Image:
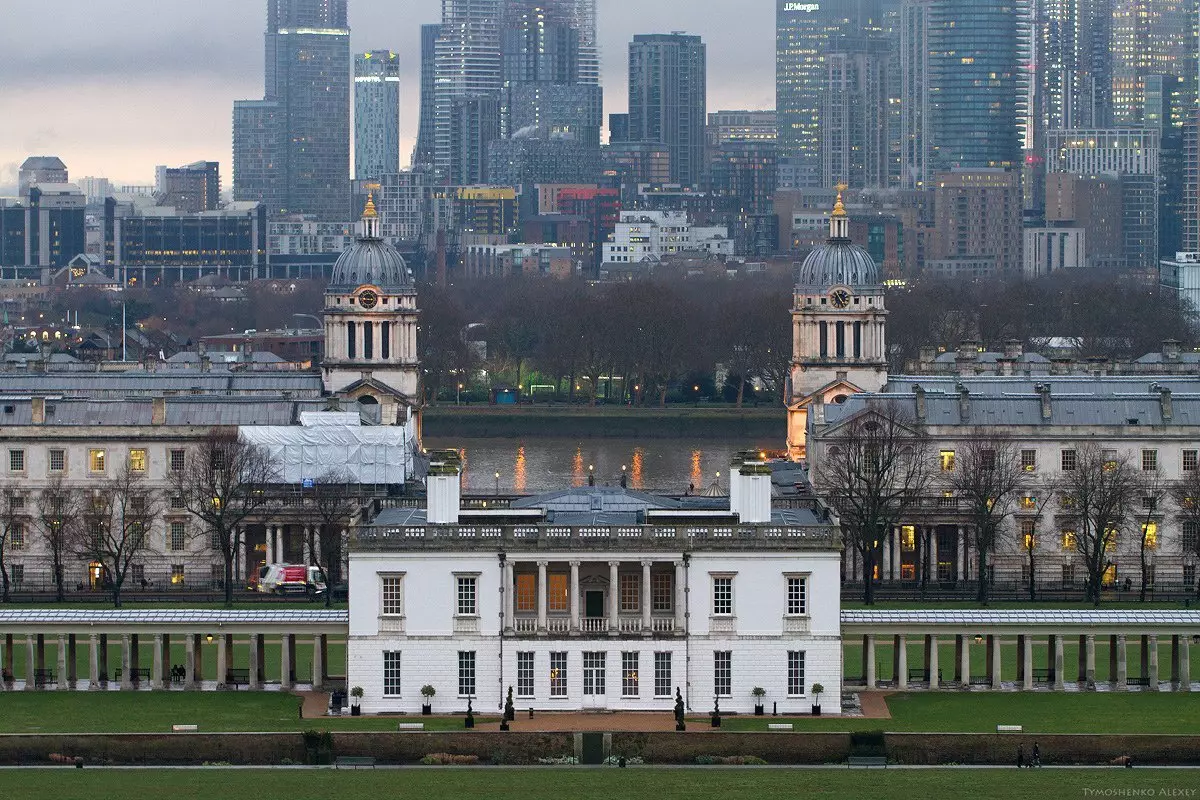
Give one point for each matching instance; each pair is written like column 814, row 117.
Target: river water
column 534, row 465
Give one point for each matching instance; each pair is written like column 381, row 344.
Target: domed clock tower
column 371, row 326
column 839, row 344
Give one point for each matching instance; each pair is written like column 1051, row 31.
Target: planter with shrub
column 427, row 692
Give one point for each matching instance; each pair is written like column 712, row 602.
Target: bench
column 1043, row 675
column 1137, row 682
column 184, row 728
column 410, row 726
column 915, row 675
column 979, row 680
column 779, row 726
column 354, row 762
column 866, row 762
column 1008, row 729
column 44, row 677
column 238, row 677
column 135, row 675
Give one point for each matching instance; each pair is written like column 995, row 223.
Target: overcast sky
column 114, row 87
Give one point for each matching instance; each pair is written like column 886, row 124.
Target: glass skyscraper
column 376, row 114
column 423, row 152
column 667, row 99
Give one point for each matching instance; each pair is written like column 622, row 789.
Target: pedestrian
column 1036, row 759
column 1020, row 756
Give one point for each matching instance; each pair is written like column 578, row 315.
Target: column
column 960, row 557
column 255, row 662
column 306, row 550
column 900, row 662
column 318, row 668
column 93, row 663
column 614, row 599
column 104, row 675
column 166, row 659
column 1150, row 668
column 964, row 661
column 1026, row 648
column 869, row 659
column 156, row 667
column 269, row 539
column 63, row 681
column 1090, row 661
column 574, row 598
column 1122, row 667
column 126, row 663
column 287, row 676
column 280, row 553
column 222, row 663
column 994, row 673
column 30, row 666
column 5, row 649
column 510, row 598
column 959, row 646
column 1185, row 664
column 542, row 599
column 190, row 681
column 1059, row 666
column 72, row 660
column 1175, row 660
column 647, row 621
column 931, row 662
column 680, row 599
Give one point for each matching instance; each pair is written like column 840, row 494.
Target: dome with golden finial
column 370, row 261
column 838, row 262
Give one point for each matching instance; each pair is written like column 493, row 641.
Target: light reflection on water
column 538, row 465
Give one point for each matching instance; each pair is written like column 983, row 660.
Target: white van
column 291, row 579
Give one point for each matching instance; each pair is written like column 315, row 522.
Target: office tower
column 977, row 89
column 854, row 111
column 423, row 153
column 44, row 229
column 473, row 124
column 1151, row 37
column 40, row 169
column 376, row 114
column 1074, row 63
column 467, row 65
column 618, row 128
column 916, row 132
column 667, row 99
column 256, row 144
column 583, row 20
column 189, row 189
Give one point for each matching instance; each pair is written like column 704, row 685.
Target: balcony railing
column 627, row 625
column 381, row 537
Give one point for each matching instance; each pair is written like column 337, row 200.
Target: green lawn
column 1021, row 605
column 586, row 784
column 150, row 712
column 1042, row 712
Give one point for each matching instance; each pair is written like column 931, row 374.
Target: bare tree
column 223, row 482
column 987, row 476
column 1035, row 499
column 1098, row 491
column 60, row 513
column 336, row 504
column 870, row 470
column 1185, row 493
column 118, row 519
column 12, row 510
column 1153, row 492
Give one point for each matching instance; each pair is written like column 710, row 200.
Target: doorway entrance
column 594, row 679
column 593, row 604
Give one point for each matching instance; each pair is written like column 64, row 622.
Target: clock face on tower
column 368, row 299
column 840, row 298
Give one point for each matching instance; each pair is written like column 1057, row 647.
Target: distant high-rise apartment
column 376, row 114
column 667, row 99
column 466, row 65
column 1151, row 37
column 189, row 189
column 308, row 79
column 916, row 131
column 854, row 109
column 423, row 153
column 256, row 145
column 1074, row 63
column 977, row 224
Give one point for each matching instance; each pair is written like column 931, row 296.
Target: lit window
column 630, row 593
column 526, row 592
column 1028, row 503
column 629, row 674
column 908, row 538
column 795, row 673
column 16, row 536
column 137, row 460
column 1070, row 540
column 947, row 460
column 96, row 461
column 177, row 574
column 1150, row 535
column 558, row 674
column 1029, row 460
column 1028, row 534
column 393, row 595
column 1109, row 457
column 391, row 673
column 558, row 592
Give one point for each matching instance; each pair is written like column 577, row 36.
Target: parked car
column 291, row 579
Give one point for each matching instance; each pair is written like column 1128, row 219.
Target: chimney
column 968, row 351
column 1013, row 349
column 205, row 363
column 443, row 488
column 39, row 410
column 750, row 489
column 1164, row 399
column 1043, row 390
column 964, row 403
column 158, row 411
column 1060, row 366
column 919, row 398
column 928, row 355
column 1171, row 350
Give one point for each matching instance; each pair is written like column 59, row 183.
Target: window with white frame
column 1069, row 459
column 178, row 460
column 58, row 460
column 16, row 536
column 662, row 674
column 524, row 674
column 1149, row 460
column 17, row 573
column 391, row 673
column 795, row 673
column 1190, row 459
column 1191, row 537
column 466, row 673
column 662, row 592
column 466, row 595
column 1029, row 460
column 178, row 537
column 629, row 674
column 392, row 587
column 16, row 460
column 797, row 595
column 595, row 673
column 630, row 593
column 558, row 674
column 722, row 595
column 723, row 673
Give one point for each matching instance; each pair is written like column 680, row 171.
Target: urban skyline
column 184, row 55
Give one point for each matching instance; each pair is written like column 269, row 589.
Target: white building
column 1049, row 250
column 650, row 235
column 597, row 599
column 1182, row 275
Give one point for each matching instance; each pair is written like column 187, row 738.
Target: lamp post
column 591, row 474
column 458, row 396
column 497, row 484
column 624, row 476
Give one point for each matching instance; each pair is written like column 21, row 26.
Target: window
column 1149, row 503
column 594, row 677
column 1069, row 460
column 662, row 674
column 216, row 542
column 96, row 460
column 1190, row 459
column 1191, row 537
column 558, row 674
column 178, row 460
column 1029, row 503
column 629, row 674
column 558, row 592
column 1111, row 540
column 16, row 573
column 16, row 460
column 723, row 596
column 1189, row 574
column 16, row 536
column 1068, row 575
column 391, row 673
column 177, row 503
column 466, row 596
column 908, row 538
column 137, row 460
column 393, row 595
column 526, row 592
column 137, row 573
column 1028, row 534
column 947, row 460
column 177, row 574
column 525, row 674
column 987, row 460
column 1150, row 535
column 1070, row 541
column 178, row 540
column 630, row 593
column 216, row 460
column 723, row 673
column 1149, row 460
column 797, row 595
column 1109, row 457
column 795, row 673
column 466, row 673
column 58, row 460
column 1029, row 460
column 662, row 592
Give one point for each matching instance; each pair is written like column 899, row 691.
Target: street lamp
column 458, row 397
column 497, row 484
column 624, row 477
column 591, row 474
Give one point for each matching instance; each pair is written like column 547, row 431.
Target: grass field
column 592, row 784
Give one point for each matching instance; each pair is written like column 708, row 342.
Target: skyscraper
column 466, row 65
column 376, row 114
column 854, row 110
column 668, row 99
column 423, row 153
column 916, row 129
column 308, row 79
column 1074, row 63
column 1152, row 37
column 189, row 189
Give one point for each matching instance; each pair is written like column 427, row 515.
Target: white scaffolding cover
column 379, row 455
